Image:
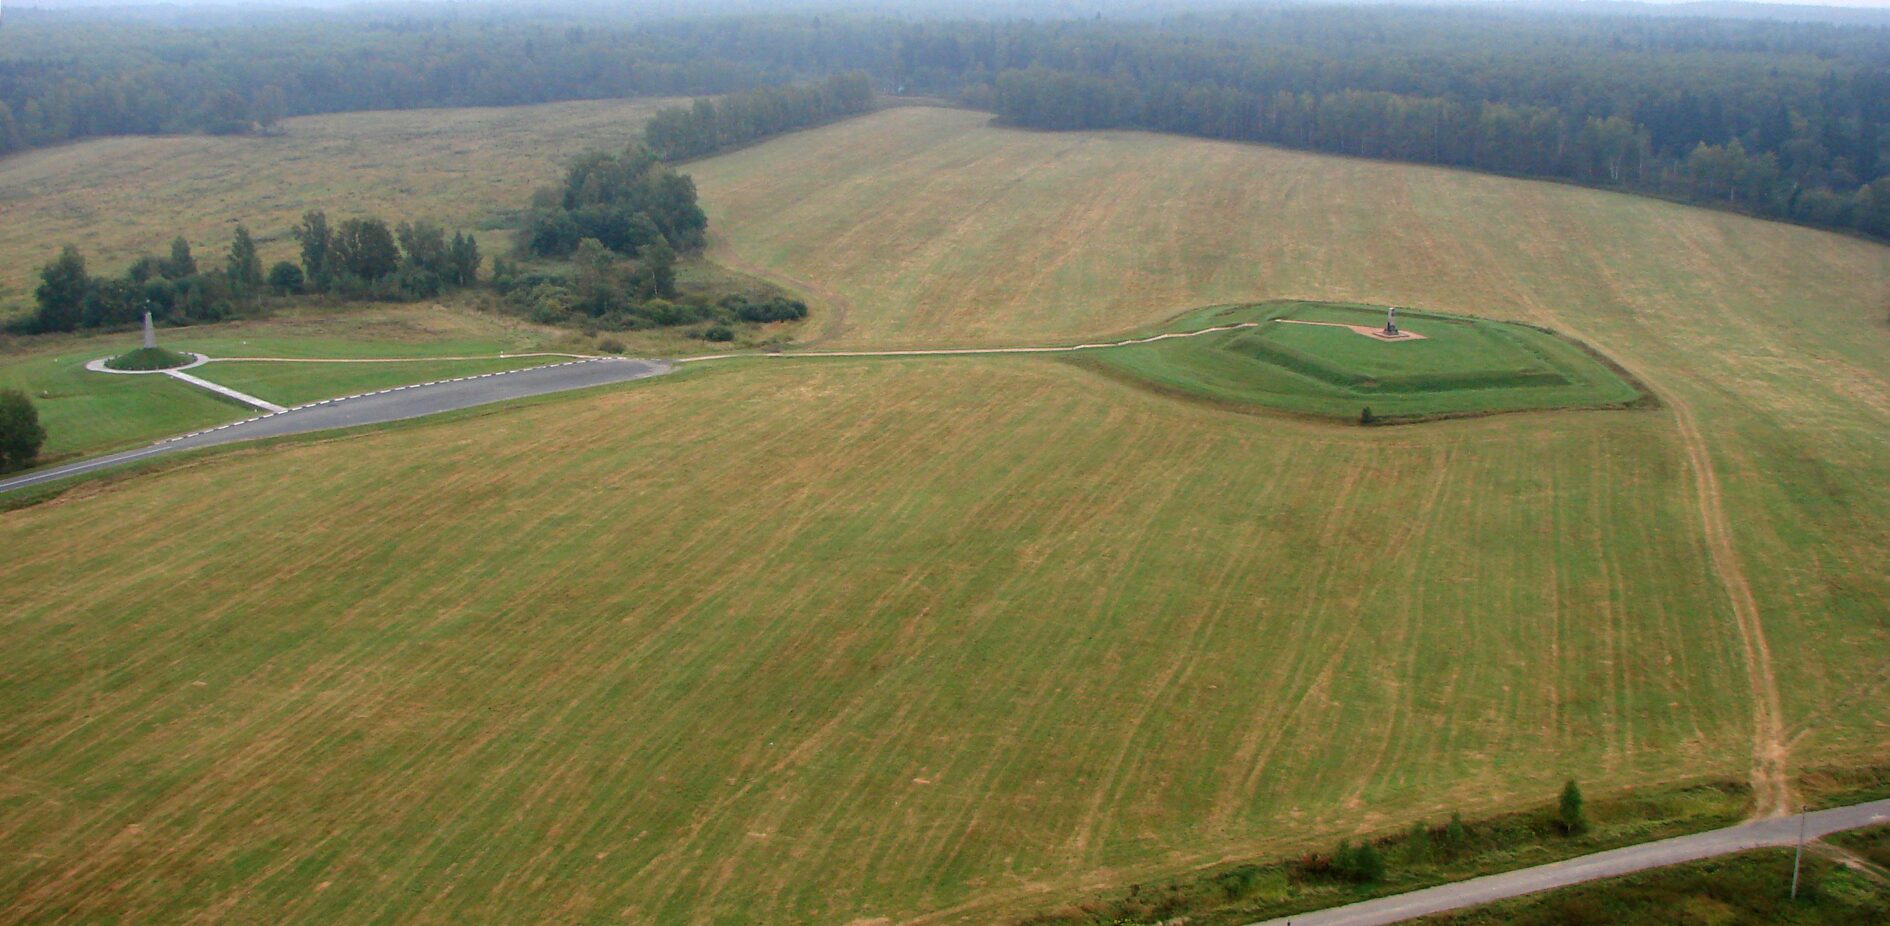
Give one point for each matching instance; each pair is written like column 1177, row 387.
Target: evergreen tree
column 1456, row 835
column 20, row 432
column 62, row 291
column 181, row 263
column 1573, row 815
column 245, row 264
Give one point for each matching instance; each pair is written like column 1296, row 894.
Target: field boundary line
column 501, row 356
column 961, row 351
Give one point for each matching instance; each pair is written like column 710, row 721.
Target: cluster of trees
column 362, row 258
column 174, row 289
column 605, row 291
column 678, row 133
column 628, row 202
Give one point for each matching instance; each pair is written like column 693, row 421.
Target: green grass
column 149, row 358
column 1751, row 889
column 86, row 413
column 1253, row 891
column 1462, row 366
column 1871, row 844
column 296, row 383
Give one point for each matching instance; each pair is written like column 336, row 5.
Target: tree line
column 1778, row 118
column 707, row 126
column 360, row 258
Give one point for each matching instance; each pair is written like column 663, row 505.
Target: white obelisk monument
column 150, row 333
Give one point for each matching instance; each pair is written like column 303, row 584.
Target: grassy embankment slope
column 962, row 637
column 1309, row 357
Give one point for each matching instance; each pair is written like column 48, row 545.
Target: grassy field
column 963, row 639
column 122, row 197
column 1461, row 365
column 882, row 579
column 1769, row 343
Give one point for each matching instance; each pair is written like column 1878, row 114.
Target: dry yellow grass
column 929, row 227
column 947, row 639
column 831, row 639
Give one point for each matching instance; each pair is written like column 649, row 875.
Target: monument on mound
column 1391, row 327
column 150, row 333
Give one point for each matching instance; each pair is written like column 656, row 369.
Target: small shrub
column 719, row 333
column 20, row 432
column 1239, row 882
column 1456, row 835
column 1361, row 864
column 1365, row 415
column 610, row 346
column 1417, row 846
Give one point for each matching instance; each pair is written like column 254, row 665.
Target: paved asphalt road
column 376, row 407
column 1778, row 831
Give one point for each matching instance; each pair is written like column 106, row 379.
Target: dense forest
column 1777, row 118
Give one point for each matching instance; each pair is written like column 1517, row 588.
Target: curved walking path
column 384, row 405
column 1761, row 834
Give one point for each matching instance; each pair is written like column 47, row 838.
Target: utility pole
column 1801, row 850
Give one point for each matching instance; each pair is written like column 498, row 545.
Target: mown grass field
column 618, row 657
column 1292, row 358
column 1770, row 343
column 961, row 639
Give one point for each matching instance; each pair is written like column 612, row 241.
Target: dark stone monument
column 1391, row 322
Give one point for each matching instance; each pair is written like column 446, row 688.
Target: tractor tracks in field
column 1771, row 749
